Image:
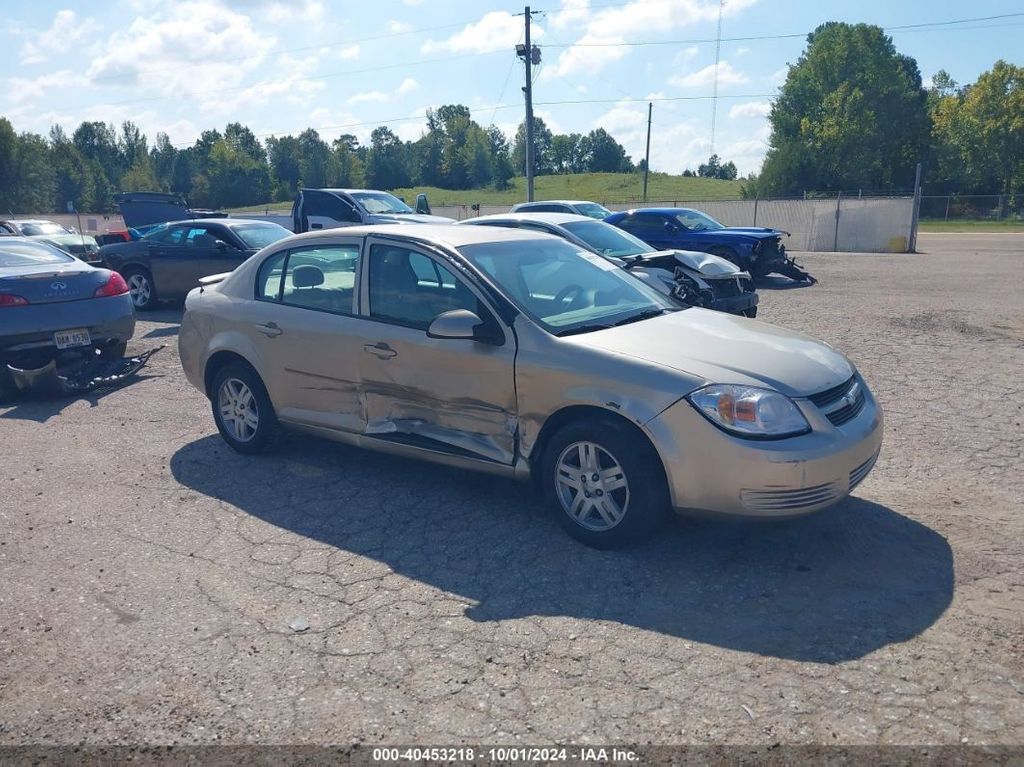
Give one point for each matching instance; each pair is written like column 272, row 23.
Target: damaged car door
column 424, row 383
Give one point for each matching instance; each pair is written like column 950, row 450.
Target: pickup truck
column 330, row 208
column 312, row 209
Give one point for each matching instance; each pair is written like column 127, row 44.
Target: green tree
column 542, row 139
column 981, row 130
column 385, row 166
column 606, row 154
column 74, row 180
column 851, row 114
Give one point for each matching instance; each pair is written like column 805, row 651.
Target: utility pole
column 718, row 54
column 531, row 55
column 647, row 154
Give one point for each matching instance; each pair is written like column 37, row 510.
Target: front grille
column 857, row 475
column 842, row 403
column 790, row 500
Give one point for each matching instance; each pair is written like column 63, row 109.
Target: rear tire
column 242, row 409
column 626, row 502
column 141, row 288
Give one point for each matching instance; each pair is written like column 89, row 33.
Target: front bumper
column 741, row 304
column 710, row 470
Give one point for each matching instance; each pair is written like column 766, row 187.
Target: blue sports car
column 755, row 250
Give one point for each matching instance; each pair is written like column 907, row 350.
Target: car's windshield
column 31, row 254
column 42, row 227
column 593, row 210
column 563, row 288
column 607, row 240
column 260, row 235
column 381, row 202
column 696, row 221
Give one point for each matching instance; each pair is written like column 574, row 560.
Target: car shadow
column 826, row 588
column 41, row 406
column 164, row 332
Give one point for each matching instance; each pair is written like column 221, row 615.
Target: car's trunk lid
column 55, row 285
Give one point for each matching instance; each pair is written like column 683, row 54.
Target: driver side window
column 408, row 288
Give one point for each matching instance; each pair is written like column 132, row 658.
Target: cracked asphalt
column 153, row 580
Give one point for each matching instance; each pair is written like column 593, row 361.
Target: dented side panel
column 455, row 392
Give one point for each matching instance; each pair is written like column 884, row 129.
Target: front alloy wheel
column 604, row 482
column 592, row 486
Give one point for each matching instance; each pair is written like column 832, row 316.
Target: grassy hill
column 600, row 187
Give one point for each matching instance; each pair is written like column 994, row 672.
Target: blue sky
column 182, row 66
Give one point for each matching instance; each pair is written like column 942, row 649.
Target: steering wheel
column 569, row 290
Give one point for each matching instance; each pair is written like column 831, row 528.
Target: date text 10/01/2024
column 503, row 754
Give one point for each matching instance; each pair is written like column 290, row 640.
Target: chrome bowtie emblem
column 58, row 286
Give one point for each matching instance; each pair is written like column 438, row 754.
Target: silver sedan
column 519, row 354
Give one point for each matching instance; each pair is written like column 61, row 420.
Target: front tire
column 141, row 289
column 604, row 483
column 115, row 350
column 242, row 409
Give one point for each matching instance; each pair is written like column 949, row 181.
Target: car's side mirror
column 220, row 245
column 462, row 323
column 671, row 228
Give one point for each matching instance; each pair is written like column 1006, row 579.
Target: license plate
column 68, row 339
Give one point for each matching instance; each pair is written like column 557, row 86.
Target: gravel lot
column 150, row 574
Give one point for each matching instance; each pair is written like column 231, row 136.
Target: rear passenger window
column 268, row 281
column 321, row 278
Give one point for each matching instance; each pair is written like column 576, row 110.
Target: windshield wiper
column 644, row 315
column 583, row 329
column 588, row 328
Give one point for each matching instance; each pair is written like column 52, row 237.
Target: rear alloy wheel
column 604, row 483
column 243, row 411
column 141, row 289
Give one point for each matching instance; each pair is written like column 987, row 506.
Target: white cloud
column 748, row 153
column 399, row 27
column 367, row 97
column 750, row 109
column 674, row 146
column 573, row 12
column 66, row 32
column 197, row 42
column 495, row 30
column 727, row 75
column 615, row 25
column 331, row 124
column 685, row 56
column 778, row 77
column 407, row 86
column 22, row 90
column 348, row 53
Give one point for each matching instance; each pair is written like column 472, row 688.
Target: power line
column 790, row 35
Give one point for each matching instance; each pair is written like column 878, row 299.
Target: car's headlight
column 749, row 411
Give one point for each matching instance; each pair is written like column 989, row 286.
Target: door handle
column 270, row 329
column 380, row 349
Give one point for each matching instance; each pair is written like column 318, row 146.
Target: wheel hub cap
column 237, row 407
column 591, row 486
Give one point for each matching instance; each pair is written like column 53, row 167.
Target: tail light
column 9, row 299
column 116, row 286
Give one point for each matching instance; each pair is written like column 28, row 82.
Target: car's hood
column 407, row 218
column 707, row 264
column 723, row 348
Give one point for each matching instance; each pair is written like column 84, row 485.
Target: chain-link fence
column 976, row 207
